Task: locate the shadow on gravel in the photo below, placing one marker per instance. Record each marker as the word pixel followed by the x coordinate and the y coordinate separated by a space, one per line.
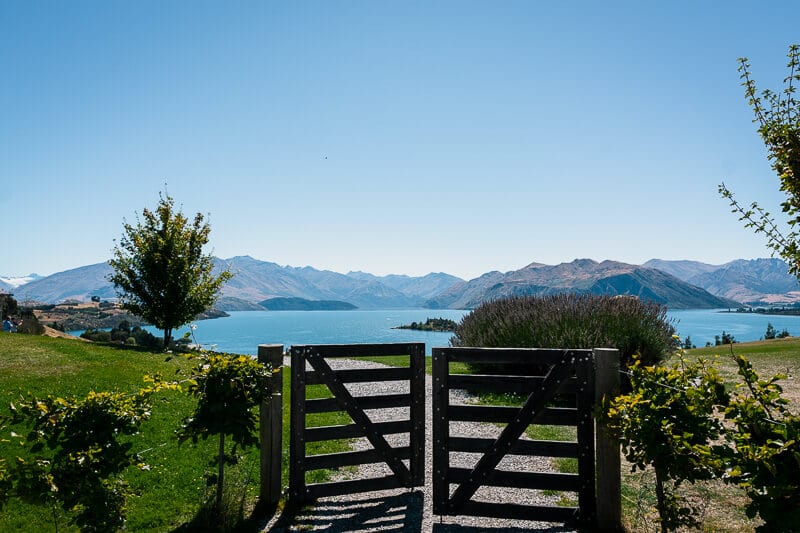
pixel 455 528
pixel 402 512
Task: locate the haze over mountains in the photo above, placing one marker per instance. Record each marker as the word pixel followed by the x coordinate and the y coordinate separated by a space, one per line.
pixel 8 283
pixel 678 284
pixel 754 281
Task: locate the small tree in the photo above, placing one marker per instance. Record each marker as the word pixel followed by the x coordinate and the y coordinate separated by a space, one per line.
pixel 160 270
pixel 778 118
pixel 728 338
pixel 666 423
pixel 227 387
pixel 770 333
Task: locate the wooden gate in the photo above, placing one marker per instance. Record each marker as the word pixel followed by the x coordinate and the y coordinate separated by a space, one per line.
pixel 406 462
pixel 567 376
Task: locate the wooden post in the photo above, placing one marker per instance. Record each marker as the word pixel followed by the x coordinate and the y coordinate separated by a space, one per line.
pixel 271 430
pixel 441 431
pixel 609 482
pixel 417 414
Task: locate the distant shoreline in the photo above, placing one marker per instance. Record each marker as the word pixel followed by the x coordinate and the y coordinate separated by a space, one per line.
pixel 432 324
pixel 780 311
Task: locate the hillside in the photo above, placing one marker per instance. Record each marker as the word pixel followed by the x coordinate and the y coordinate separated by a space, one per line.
pixel 419 288
pixel 755 281
pixel 255 281
pixel 684 270
pixel 581 276
pixel 301 304
pixel 76 284
pixel 679 284
pixel 85 316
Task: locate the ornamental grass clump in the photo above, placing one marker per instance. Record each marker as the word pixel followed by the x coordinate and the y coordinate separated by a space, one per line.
pixel 570 321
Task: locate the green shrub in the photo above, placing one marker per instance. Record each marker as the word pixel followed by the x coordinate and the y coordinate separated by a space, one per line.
pixel 30 324
pixel 96 335
pixel 764 449
pixel 570 321
pixel 667 423
pixel 123 334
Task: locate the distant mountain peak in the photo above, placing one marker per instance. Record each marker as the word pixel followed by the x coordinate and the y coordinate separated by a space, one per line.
pixel 533 265
pixel 17 281
pixel 582 276
pixel 751 281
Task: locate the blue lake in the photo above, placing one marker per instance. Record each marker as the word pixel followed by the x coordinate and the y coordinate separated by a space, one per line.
pixel 243 331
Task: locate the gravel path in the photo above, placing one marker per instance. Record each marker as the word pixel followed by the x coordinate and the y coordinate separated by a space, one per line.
pixel 411 510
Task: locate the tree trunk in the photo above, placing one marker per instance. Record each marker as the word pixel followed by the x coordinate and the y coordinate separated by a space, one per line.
pixel 167 337
pixel 661 500
pixel 220 471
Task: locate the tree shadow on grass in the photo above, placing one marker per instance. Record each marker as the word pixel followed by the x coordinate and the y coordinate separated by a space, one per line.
pixel 232 518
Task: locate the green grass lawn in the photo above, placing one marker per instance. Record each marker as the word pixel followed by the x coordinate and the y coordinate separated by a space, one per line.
pixel 168 495
pixel 171 495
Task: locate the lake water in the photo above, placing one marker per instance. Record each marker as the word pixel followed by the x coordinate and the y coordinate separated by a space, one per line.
pixel 243 331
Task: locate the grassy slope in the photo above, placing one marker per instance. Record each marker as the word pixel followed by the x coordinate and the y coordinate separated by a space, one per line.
pixel 723 504
pixel 768 358
pixel 167 496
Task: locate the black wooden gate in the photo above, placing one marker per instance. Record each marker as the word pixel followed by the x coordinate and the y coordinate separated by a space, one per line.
pixel 405 462
pixel 567 376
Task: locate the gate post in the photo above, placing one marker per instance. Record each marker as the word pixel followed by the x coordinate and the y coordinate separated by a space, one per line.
pixel 609 483
pixel 271 427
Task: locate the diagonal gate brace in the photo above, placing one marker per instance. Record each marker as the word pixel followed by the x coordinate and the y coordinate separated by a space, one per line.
pixel 527 414
pixel 349 403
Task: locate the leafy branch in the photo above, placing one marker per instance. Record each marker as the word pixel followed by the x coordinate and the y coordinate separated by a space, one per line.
pixel 778 117
pixel 76 454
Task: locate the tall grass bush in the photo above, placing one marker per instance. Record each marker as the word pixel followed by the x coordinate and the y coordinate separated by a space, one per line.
pixel 570 321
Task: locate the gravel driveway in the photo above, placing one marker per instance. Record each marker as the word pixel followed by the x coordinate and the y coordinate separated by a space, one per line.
pixel 411 510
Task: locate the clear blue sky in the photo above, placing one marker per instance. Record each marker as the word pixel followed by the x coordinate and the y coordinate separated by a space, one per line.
pixel 389 137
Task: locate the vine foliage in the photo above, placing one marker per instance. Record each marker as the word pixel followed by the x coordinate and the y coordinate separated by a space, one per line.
pixel 778 117
pixel 764 457
pixel 77 451
pixel 666 423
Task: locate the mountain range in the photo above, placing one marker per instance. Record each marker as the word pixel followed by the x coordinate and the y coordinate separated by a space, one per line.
pixel 753 282
pixel 583 276
pixel 678 284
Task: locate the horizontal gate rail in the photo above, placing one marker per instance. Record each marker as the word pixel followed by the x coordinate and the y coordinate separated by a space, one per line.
pixel 546 448
pixel 310 366
pixel 552 416
pixel 566 378
pixel 352 431
pixel 495 383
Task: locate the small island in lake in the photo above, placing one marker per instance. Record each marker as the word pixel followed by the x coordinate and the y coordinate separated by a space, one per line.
pixel 301 304
pixel 432 324
pixel 791 310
